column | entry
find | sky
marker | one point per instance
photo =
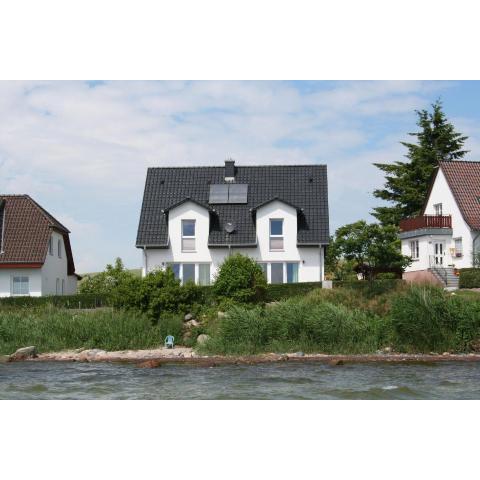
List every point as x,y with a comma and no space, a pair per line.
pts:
82,149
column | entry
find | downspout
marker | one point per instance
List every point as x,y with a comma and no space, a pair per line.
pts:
473,247
145,264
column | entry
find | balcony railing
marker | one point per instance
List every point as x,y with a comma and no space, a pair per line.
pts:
426,221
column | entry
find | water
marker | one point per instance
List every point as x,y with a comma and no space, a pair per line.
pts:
57,380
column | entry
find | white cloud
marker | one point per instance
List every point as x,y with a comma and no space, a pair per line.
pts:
87,149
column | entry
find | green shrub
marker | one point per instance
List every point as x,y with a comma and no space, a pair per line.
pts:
282,291
371,288
241,279
160,292
386,276
469,278
62,301
425,318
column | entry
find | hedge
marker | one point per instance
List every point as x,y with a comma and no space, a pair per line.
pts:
282,291
469,278
371,287
83,300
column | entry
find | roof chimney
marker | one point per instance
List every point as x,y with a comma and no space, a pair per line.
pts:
229,170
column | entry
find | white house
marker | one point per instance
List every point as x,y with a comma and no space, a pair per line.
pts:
446,236
35,254
192,218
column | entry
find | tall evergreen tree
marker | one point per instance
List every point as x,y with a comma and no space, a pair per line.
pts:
407,182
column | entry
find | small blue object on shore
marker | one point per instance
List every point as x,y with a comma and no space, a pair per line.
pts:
169,341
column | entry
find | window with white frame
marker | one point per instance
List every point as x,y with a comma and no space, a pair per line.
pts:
204,274
276,273
50,246
175,267
20,285
276,234
59,248
188,235
414,249
292,272
63,286
188,273
458,247
438,209
57,286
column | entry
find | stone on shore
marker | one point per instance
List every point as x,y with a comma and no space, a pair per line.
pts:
188,317
4,358
192,323
24,353
149,364
220,314
336,362
203,338
299,354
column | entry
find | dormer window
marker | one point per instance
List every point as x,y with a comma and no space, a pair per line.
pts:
50,246
438,209
59,248
188,235
276,234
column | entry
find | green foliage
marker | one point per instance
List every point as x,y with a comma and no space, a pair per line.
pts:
85,300
115,282
387,276
370,248
52,329
297,324
160,292
407,183
469,278
282,291
241,279
425,319
171,324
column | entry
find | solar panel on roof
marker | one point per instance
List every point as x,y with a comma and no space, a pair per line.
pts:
237,193
218,194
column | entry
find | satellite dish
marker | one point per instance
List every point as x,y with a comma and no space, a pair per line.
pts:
229,227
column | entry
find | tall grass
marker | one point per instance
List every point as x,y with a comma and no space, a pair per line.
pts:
298,325
51,329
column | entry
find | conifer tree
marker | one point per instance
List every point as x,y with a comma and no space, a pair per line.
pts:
407,182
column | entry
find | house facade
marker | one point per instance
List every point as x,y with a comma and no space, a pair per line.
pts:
35,253
192,218
446,236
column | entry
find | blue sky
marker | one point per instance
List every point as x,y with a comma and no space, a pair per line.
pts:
81,149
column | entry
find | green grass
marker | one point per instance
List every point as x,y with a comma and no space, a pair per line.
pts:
52,329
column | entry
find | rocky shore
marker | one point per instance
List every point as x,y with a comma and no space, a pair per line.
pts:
182,355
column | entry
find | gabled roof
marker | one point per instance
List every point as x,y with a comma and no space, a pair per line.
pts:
26,228
302,186
274,199
181,202
463,178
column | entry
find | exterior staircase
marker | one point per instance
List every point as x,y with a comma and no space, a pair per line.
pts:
446,276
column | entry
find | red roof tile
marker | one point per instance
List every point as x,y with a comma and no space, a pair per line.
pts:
464,181
25,230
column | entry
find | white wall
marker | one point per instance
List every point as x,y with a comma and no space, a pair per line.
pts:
310,259
56,267
35,280
441,193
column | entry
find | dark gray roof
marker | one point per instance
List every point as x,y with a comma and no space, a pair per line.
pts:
304,186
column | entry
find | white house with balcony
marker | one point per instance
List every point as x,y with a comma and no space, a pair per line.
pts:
192,218
446,236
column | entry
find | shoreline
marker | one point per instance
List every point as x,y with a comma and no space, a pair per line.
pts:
182,355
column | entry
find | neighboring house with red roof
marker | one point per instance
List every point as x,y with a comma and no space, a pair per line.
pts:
35,253
447,234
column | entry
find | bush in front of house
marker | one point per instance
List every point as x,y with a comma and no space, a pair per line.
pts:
469,278
160,292
80,301
282,291
241,279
